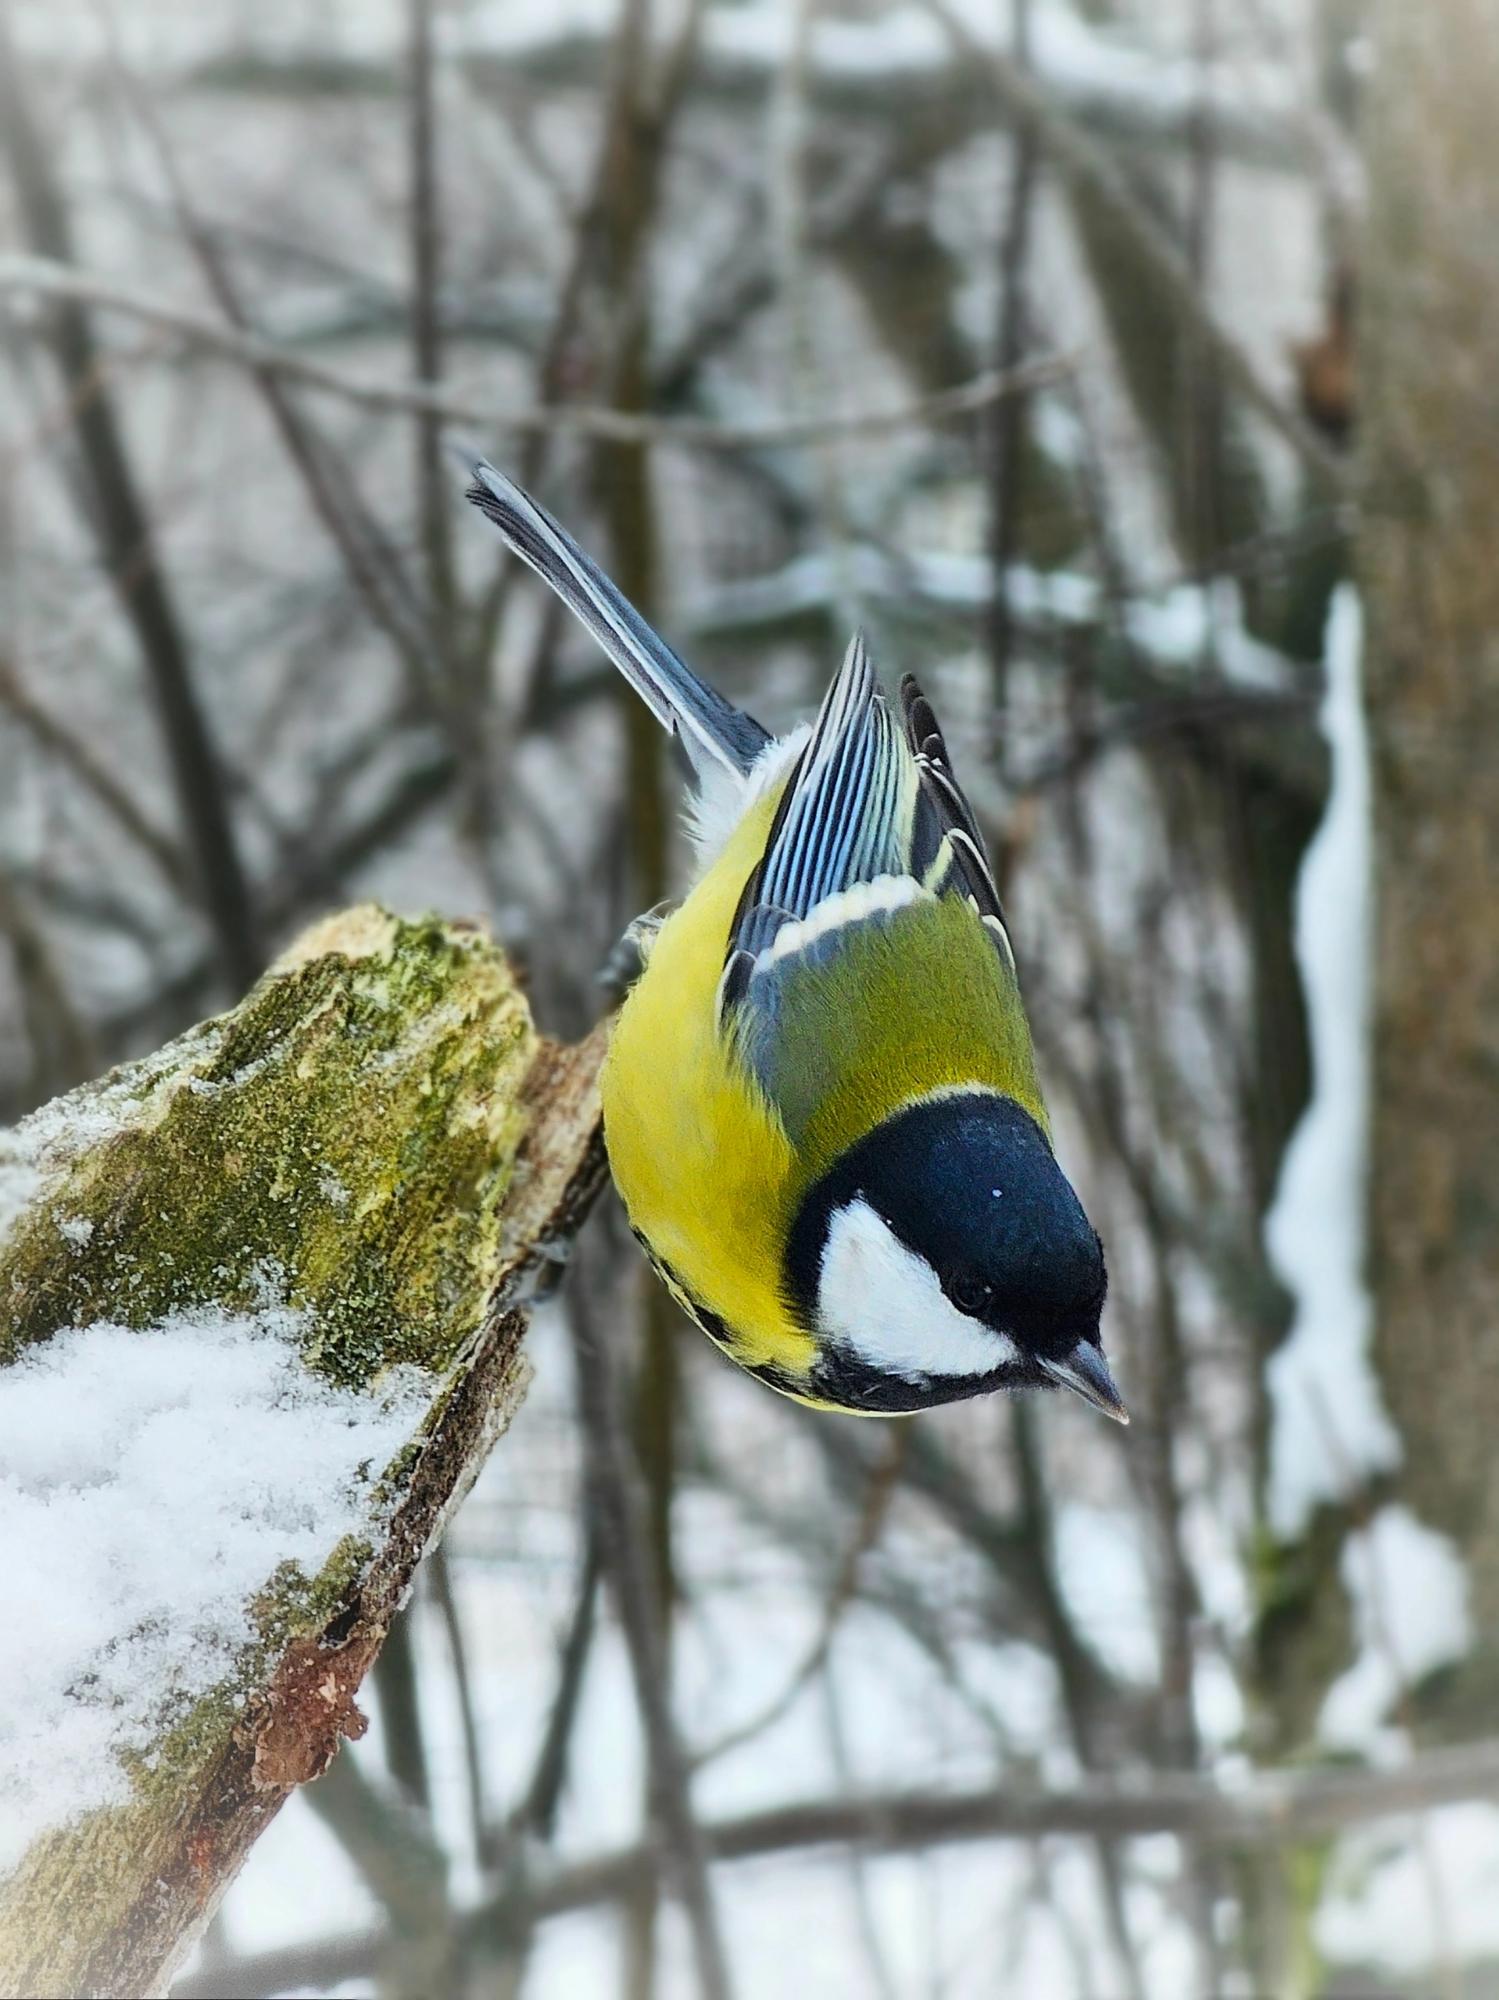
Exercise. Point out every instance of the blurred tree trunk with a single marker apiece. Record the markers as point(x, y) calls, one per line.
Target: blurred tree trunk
point(1429, 302)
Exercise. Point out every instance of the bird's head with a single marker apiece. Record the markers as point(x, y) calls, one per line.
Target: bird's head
point(944, 1255)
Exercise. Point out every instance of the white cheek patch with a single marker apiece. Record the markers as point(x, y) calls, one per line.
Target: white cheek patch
point(885, 1303)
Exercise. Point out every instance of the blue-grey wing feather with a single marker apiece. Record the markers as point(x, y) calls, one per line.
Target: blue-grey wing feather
point(844, 815)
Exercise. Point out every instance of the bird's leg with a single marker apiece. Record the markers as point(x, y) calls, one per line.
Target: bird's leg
point(627, 959)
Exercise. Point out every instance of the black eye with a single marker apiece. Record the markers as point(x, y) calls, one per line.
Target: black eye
point(968, 1292)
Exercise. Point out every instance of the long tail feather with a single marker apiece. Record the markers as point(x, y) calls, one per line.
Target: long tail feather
point(712, 730)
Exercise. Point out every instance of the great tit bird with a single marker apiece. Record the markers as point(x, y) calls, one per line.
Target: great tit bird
point(820, 1099)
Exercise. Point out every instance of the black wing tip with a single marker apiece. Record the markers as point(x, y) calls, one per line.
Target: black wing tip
point(507, 506)
point(489, 489)
point(500, 498)
point(923, 731)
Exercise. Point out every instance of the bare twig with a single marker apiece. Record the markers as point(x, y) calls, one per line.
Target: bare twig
point(74, 751)
point(370, 562)
point(624, 1543)
point(127, 543)
point(51, 278)
point(1078, 159)
point(1270, 1809)
point(537, 1811)
point(1007, 420)
point(425, 239)
point(62, 1045)
point(878, 1490)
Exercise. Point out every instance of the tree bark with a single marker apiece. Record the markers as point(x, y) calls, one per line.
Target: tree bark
point(380, 1125)
point(1429, 300)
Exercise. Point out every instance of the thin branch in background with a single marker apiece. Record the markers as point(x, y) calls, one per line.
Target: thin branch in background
point(370, 562)
point(882, 1980)
point(879, 1489)
point(501, 1953)
point(127, 548)
point(644, 97)
point(805, 377)
point(391, 1845)
point(424, 234)
point(551, 367)
point(1196, 716)
point(395, 1685)
point(74, 751)
point(1005, 429)
point(60, 279)
point(743, 280)
point(461, 671)
point(537, 1811)
point(62, 1045)
point(1165, 1405)
point(618, 1515)
point(440, 1575)
point(1080, 1705)
point(1199, 426)
point(1267, 1809)
point(1445, 1955)
point(1077, 158)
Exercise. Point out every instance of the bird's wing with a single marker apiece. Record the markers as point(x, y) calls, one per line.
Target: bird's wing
point(711, 730)
point(843, 824)
point(872, 851)
point(871, 817)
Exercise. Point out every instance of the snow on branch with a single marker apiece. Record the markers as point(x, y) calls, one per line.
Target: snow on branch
point(261, 1329)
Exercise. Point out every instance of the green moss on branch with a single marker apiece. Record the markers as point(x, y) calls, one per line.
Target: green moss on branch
point(344, 1138)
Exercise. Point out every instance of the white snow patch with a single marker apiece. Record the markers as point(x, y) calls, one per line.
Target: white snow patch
point(1329, 1426)
point(1409, 1592)
point(35, 1154)
point(150, 1482)
point(1102, 1570)
point(1378, 1911)
point(1177, 625)
point(1095, 71)
point(20, 1183)
point(76, 1230)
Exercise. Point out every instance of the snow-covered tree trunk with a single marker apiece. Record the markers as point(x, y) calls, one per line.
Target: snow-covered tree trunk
point(260, 1330)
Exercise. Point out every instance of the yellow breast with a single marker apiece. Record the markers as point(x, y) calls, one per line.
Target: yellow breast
point(705, 1170)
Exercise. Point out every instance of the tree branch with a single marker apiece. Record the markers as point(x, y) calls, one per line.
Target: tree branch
point(48, 278)
point(337, 1192)
point(1268, 1809)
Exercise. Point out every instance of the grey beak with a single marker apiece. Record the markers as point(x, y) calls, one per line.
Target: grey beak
point(1087, 1373)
